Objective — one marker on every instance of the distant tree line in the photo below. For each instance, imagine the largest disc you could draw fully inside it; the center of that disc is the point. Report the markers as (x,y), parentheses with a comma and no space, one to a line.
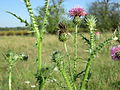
(107,13)
(13,28)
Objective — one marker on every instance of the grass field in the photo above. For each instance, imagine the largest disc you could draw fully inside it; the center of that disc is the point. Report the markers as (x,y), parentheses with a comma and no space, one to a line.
(105,71)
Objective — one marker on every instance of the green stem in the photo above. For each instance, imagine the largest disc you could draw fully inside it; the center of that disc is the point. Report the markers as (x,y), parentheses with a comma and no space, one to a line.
(65,76)
(92,40)
(10,72)
(42,85)
(75,48)
(38,35)
(65,46)
(87,71)
(10,77)
(39,54)
(88,66)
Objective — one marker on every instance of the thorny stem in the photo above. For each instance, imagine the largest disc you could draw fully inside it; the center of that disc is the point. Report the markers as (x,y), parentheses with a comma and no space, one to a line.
(75,48)
(87,71)
(65,46)
(38,35)
(66,79)
(88,66)
(10,72)
(42,85)
(90,59)
(64,74)
(39,54)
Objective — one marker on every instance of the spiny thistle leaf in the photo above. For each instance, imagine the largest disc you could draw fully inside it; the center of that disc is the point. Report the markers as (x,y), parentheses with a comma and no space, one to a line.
(100,46)
(60,2)
(34,24)
(91,21)
(117,34)
(79,74)
(45,21)
(45,73)
(84,38)
(90,59)
(22,20)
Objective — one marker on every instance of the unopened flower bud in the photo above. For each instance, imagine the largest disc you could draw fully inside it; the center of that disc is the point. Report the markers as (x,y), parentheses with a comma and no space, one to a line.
(97,35)
(63,37)
(24,57)
(56,56)
(77,20)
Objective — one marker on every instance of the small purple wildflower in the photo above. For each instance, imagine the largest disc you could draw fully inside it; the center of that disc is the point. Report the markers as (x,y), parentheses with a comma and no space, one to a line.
(77,11)
(115,52)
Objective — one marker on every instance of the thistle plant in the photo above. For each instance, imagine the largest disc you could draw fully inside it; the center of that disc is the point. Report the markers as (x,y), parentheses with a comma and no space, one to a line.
(57,58)
(12,58)
(91,22)
(93,50)
(70,77)
(39,34)
(63,37)
(76,13)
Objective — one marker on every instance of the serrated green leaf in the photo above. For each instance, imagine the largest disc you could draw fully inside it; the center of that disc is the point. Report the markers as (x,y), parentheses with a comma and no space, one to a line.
(84,38)
(18,17)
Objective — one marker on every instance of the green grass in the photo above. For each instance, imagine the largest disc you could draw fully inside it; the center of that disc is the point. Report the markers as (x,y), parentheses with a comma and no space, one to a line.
(105,71)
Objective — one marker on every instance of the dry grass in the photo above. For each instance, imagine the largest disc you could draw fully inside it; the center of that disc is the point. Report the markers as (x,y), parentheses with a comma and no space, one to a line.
(105,72)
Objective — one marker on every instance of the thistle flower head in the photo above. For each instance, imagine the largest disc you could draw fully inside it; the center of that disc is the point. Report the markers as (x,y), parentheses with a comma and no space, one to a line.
(77,11)
(97,35)
(115,52)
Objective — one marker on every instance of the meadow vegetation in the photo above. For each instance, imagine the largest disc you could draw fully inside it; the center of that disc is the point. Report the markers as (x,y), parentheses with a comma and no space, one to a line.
(66,61)
(105,71)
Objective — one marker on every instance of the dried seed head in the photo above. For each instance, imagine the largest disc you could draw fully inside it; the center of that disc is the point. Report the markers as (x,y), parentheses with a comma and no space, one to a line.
(62,32)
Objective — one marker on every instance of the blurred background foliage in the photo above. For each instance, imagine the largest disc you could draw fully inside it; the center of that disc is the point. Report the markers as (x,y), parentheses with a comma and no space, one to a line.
(107,13)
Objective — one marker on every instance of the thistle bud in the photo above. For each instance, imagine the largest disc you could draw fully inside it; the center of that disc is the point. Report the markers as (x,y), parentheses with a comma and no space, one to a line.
(9,53)
(63,37)
(77,20)
(23,57)
(56,56)
(97,35)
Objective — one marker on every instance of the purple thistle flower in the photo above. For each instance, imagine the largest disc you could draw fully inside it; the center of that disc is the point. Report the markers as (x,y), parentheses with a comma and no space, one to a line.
(77,11)
(115,52)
